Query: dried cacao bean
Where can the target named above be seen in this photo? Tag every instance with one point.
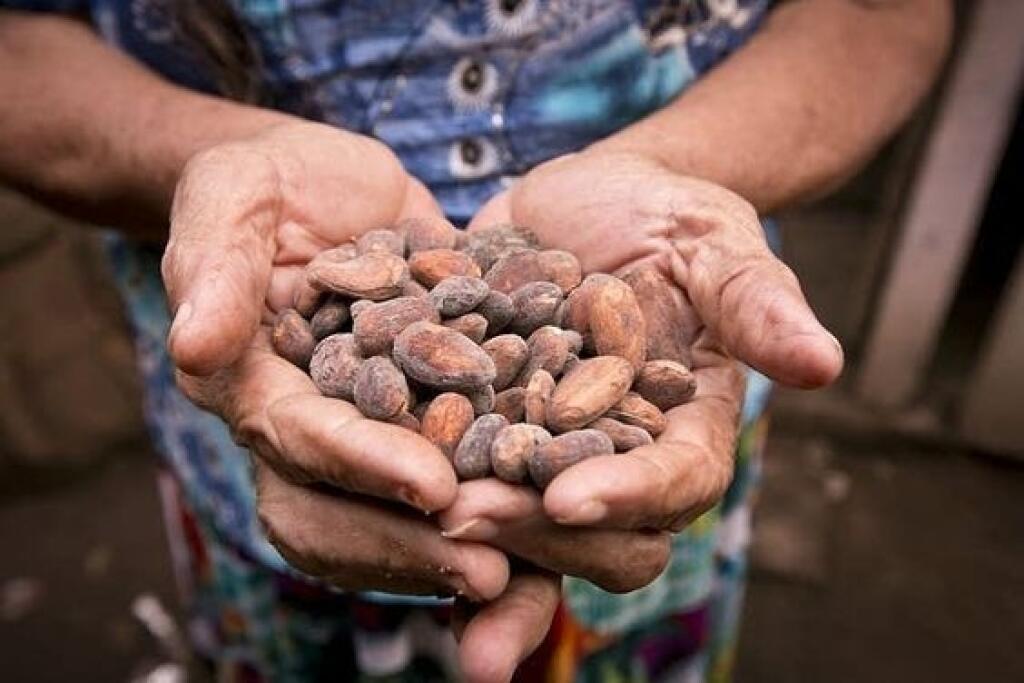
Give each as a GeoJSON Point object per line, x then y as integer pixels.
{"type": "Point", "coordinates": [376, 276]}
{"type": "Point", "coordinates": [473, 325]}
{"type": "Point", "coordinates": [434, 265]}
{"type": "Point", "coordinates": [625, 437]}
{"type": "Point", "coordinates": [509, 352]}
{"type": "Point", "coordinates": [594, 386]}
{"type": "Point", "coordinates": [665, 383]}
{"type": "Point", "coordinates": [442, 358]}
{"type": "Point", "coordinates": [473, 456]}
{"type": "Point", "coordinates": [292, 338]}
{"type": "Point", "coordinates": [515, 269]}
{"type": "Point", "coordinates": [669, 320]}
{"type": "Point", "coordinates": [616, 322]}
{"type": "Point", "coordinates": [554, 457]}
{"type": "Point", "coordinates": [633, 409]}
{"type": "Point", "coordinates": [487, 246]}
{"type": "Point", "coordinates": [499, 311]}
{"type": "Point", "coordinates": [548, 350]}
{"type": "Point", "coordinates": [329, 319]}
{"type": "Point", "coordinates": [380, 390]}
{"type": "Point", "coordinates": [445, 420]}
{"type": "Point", "coordinates": [535, 305]}
{"type": "Point", "coordinates": [458, 295]}
{"type": "Point", "coordinates": [335, 362]}
{"type": "Point", "coordinates": [512, 449]}
{"type": "Point", "coordinates": [511, 403]}
{"type": "Point", "coordinates": [560, 267]}
{"type": "Point", "coordinates": [537, 396]}
{"type": "Point", "coordinates": [376, 328]}
{"type": "Point", "coordinates": [482, 399]}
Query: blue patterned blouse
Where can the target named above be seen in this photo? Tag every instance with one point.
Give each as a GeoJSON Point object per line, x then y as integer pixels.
{"type": "Point", "coordinates": [469, 94]}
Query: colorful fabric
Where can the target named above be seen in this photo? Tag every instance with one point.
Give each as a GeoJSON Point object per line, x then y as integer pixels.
{"type": "Point", "coordinates": [469, 95]}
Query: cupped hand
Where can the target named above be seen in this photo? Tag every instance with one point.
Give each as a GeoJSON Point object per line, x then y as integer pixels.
{"type": "Point", "coordinates": [342, 497]}
{"type": "Point", "coordinates": [617, 211]}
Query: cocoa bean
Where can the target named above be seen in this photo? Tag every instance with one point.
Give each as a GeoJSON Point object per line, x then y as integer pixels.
{"type": "Point", "coordinates": [445, 419]}
{"type": "Point", "coordinates": [665, 383]}
{"type": "Point", "coordinates": [554, 457]}
{"type": "Point", "coordinates": [670, 322]}
{"type": "Point", "coordinates": [594, 386]}
{"type": "Point", "coordinates": [537, 396]}
{"type": "Point", "coordinates": [335, 362]}
{"type": "Point", "coordinates": [472, 458]}
{"type": "Point", "coordinates": [292, 338]}
{"type": "Point", "coordinates": [329, 319]}
{"type": "Point", "coordinates": [376, 328]}
{"type": "Point", "coordinates": [575, 314]}
{"type": "Point", "coordinates": [549, 349]}
{"type": "Point", "coordinates": [376, 276]}
{"type": "Point", "coordinates": [487, 246]}
{"type": "Point", "coordinates": [458, 295]}
{"type": "Point", "coordinates": [307, 299]}
{"type": "Point", "coordinates": [473, 325]}
{"type": "Point", "coordinates": [616, 322]}
{"type": "Point", "coordinates": [433, 265]}
{"type": "Point", "coordinates": [625, 437]}
{"type": "Point", "coordinates": [509, 352]}
{"type": "Point", "coordinates": [423, 234]}
{"type": "Point", "coordinates": [380, 389]}
{"type": "Point", "coordinates": [499, 311]}
{"type": "Point", "coordinates": [515, 269]}
{"type": "Point", "coordinates": [560, 267]}
{"type": "Point", "coordinates": [535, 305]}
{"type": "Point", "coordinates": [442, 358]}
{"type": "Point", "coordinates": [575, 341]}
{"type": "Point", "coordinates": [633, 409]}
{"type": "Point", "coordinates": [512, 449]}
{"type": "Point", "coordinates": [386, 241]}
{"type": "Point", "coordinates": [511, 403]}
{"type": "Point", "coordinates": [482, 399]}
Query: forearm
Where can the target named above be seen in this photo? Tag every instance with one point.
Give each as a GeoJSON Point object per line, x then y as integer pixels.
{"type": "Point", "coordinates": [805, 103]}
{"type": "Point", "coordinates": [89, 131]}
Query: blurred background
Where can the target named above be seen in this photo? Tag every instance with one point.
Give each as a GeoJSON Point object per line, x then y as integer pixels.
{"type": "Point", "coordinates": [889, 539]}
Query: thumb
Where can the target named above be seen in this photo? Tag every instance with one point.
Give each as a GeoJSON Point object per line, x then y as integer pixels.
{"type": "Point", "coordinates": [753, 304]}
{"type": "Point", "coordinates": [217, 264]}
{"type": "Point", "coordinates": [500, 635]}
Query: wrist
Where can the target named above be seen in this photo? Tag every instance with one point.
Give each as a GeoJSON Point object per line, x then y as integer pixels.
{"type": "Point", "coordinates": [175, 125]}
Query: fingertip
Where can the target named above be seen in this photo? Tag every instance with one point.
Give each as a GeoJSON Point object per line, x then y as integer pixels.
{"type": "Point", "coordinates": [485, 571]}
{"type": "Point", "coordinates": [574, 497]}
{"type": "Point", "coordinates": [486, 661]}
{"type": "Point", "coordinates": [811, 361]}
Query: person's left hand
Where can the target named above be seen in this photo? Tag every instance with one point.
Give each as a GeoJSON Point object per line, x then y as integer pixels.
{"type": "Point", "coordinates": [615, 211]}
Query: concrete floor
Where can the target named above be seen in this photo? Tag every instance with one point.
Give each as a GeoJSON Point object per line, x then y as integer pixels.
{"type": "Point", "coordinates": [875, 562]}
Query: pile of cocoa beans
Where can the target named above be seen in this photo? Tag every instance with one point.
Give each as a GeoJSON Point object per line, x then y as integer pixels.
{"type": "Point", "coordinates": [497, 351]}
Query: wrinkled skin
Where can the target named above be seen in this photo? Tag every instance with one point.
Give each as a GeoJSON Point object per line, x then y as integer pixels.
{"type": "Point", "coordinates": [247, 216]}
{"type": "Point", "coordinates": [615, 211]}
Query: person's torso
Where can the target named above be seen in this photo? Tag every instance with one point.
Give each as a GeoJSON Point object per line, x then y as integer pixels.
{"type": "Point", "coordinates": [468, 93]}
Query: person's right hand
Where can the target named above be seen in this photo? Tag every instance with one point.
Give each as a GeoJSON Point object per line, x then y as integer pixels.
{"type": "Point", "coordinates": [247, 217]}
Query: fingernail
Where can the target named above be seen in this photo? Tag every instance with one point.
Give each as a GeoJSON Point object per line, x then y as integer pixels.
{"type": "Point", "coordinates": [589, 512]}
{"type": "Point", "coordinates": [180, 319]}
{"type": "Point", "coordinates": [835, 340]}
{"type": "Point", "coordinates": [476, 529]}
